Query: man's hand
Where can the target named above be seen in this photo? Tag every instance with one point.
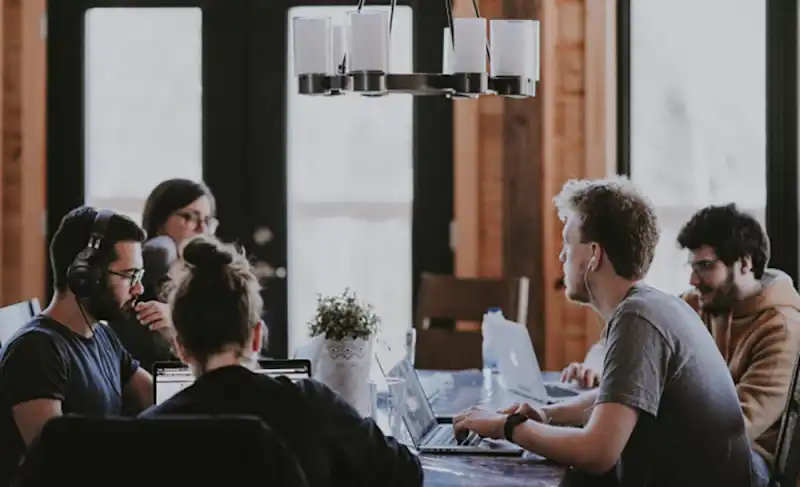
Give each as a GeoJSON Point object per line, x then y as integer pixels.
{"type": "Point", "coordinates": [528, 411]}
{"type": "Point", "coordinates": [487, 424]}
{"type": "Point", "coordinates": [156, 316]}
{"type": "Point", "coordinates": [580, 373]}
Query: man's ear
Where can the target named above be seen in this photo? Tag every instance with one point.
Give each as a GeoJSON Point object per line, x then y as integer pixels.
{"type": "Point", "coordinates": [180, 351]}
{"type": "Point", "coordinates": [594, 260]}
{"type": "Point", "coordinates": [746, 264]}
{"type": "Point", "coordinates": [258, 340]}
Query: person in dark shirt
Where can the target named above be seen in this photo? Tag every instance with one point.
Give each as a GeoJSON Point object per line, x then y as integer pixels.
{"type": "Point", "coordinates": [175, 210]}
{"type": "Point", "coordinates": [66, 360]}
{"type": "Point", "coordinates": [666, 413]}
{"type": "Point", "coordinates": [216, 310]}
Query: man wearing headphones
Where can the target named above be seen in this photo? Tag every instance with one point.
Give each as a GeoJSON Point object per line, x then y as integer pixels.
{"type": "Point", "coordinates": [65, 361]}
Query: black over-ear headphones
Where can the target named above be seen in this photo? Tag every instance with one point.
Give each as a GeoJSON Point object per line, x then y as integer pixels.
{"type": "Point", "coordinates": [84, 277]}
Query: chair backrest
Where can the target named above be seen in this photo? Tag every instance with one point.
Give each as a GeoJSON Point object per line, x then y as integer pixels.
{"type": "Point", "coordinates": [787, 455]}
{"type": "Point", "coordinates": [15, 316]}
{"type": "Point", "coordinates": [166, 451]}
{"type": "Point", "coordinates": [462, 299]}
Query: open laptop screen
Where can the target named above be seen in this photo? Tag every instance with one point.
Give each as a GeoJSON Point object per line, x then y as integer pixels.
{"type": "Point", "coordinates": [418, 415]}
{"type": "Point", "coordinates": [169, 378]}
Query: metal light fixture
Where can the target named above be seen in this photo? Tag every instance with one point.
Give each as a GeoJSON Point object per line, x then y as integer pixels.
{"type": "Point", "coordinates": [333, 60]}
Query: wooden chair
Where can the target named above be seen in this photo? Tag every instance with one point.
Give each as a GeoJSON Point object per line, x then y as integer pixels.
{"type": "Point", "coordinates": [459, 299]}
{"type": "Point", "coordinates": [787, 455]}
{"type": "Point", "coordinates": [15, 316]}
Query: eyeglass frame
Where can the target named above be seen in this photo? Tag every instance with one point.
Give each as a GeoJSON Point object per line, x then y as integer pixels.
{"type": "Point", "coordinates": [194, 217]}
{"type": "Point", "coordinates": [134, 276]}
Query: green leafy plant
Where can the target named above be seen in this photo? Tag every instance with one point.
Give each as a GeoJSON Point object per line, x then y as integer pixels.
{"type": "Point", "coordinates": [342, 317]}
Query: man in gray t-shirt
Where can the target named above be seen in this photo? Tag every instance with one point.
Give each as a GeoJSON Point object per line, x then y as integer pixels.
{"type": "Point", "coordinates": [662, 362]}
{"type": "Point", "coordinates": [666, 413]}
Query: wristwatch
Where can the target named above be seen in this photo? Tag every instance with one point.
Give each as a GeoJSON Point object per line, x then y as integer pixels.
{"type": "Point", "coordinates": [512, 421]}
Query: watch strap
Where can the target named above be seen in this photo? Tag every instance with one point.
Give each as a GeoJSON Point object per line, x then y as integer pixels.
{"type": "Point", "coordinates": [512, 421]}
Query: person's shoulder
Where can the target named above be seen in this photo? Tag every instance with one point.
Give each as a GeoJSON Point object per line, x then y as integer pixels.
{"type": "Point", "coordinates": [648, 302]}
{"type": "Point", "coordinates": [37, 340]}
{"type": "Point", "coordinates": [41, 332]}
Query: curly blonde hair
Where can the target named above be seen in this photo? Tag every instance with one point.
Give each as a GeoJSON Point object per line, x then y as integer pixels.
{"type": "Point", "coordinates": [618, 217]}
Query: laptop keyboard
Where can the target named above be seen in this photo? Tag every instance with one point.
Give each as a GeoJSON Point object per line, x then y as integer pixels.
{"type": "Point", "coordinates": [444, 435]}
{"type": "Point", "coordinates": [556, 391]}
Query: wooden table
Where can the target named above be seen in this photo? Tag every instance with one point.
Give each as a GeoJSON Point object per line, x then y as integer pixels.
{"type": "Point", "coordinates": [465, 389]}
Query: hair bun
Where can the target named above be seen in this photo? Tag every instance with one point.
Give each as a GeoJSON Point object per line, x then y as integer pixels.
{"type": "Point", "coordinates": [205, 253]}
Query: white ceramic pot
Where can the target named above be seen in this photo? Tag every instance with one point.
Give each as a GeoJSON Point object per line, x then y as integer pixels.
{"type": "Point", "coordinates": [344, 367]}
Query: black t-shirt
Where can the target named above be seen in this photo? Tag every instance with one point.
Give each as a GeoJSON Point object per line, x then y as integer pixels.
{"type": "Point", "coordinates": [47, 360]}
{"type": "Point", "coordinates": [333, 443]}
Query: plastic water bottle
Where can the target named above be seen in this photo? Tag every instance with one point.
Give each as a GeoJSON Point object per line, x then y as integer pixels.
{"type": "Point", "coordinates": [490, 366]}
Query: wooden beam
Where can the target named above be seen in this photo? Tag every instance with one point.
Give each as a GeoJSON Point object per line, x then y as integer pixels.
{"type": "Point", "coordinates": [523, 160]}
{"type": "Point", "coordinates": [33, 204]}
{"type": "Point", "coordinates": [506, 224]}
{"type": "Point", "coordinates": [22, 168]}
{"type": "Point", "coordinates": [12, 147]}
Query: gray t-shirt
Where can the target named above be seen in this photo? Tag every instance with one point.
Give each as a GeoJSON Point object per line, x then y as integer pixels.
{"type": "Point", "coordinates": [661, 360]}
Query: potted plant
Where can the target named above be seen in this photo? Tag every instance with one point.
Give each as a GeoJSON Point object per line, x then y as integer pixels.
{"type": "Point", "coordinates": [346, 328]}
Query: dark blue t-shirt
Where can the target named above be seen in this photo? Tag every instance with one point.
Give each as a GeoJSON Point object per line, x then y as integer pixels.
{"type": "Point", "coordinates": [47, 360]}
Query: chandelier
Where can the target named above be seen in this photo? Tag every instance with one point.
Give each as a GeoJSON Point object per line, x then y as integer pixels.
{"type": "Point", "coordinates": [333, 60]}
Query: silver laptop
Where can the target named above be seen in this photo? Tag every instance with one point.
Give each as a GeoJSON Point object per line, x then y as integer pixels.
{"type": "Point", "coordinates": [169, 378]}
{"type": "Point", "coordinates": [519, 367]}
{"type": "Point", "coordinates": [429, 434]}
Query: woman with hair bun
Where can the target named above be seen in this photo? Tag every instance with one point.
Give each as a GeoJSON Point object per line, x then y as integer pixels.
{"type": "Point", "coordinates": [216, 311]}
{"type": "Point", "coordinates": [176, 210]}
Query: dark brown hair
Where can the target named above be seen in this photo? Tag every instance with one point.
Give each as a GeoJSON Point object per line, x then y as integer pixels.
{"type": "Point", "coordinates": [216, 300]}
{"type": "Point", "coordinates": [732, 233]}
{"type": "Point", "coordinates": [615, 215]}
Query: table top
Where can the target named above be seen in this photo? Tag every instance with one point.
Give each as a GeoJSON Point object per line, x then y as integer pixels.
{"type": "Point", "coordinates": [461, 390]}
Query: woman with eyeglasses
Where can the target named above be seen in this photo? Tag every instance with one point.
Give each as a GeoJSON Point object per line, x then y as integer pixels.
{"type": "Point", "coordinates": [216, 309]}
{"type": "Point", "coordinates": [176, 210]}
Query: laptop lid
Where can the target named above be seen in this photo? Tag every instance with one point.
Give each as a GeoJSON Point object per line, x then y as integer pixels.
{"type": "Point", "coordinates": [517, 362]}
{"type": "Point", "coordinates": [169, 378]}
{"type": "Point", "coordinates": [418, 414]}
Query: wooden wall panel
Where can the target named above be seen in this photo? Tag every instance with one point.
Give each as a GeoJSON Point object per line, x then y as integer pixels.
{"type": "Point", "coordinates": [526, 150]}
{"type": "Point", "coordinates": [22, 169]}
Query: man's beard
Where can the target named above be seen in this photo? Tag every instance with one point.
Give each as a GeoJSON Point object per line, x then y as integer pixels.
{"type": "Point", "coordinates": [725, 296]}
{"type": "Point", "coordinates": [103, 306]}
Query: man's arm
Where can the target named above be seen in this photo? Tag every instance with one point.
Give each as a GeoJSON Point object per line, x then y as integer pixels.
{"type": "Point", "coordinates": [361, 443]}
{"type": "Point", "coordinates": [33, 378]}
{"type": "Point", "coordinates": [31, 416]}
{"type": "Point", "coordinates": [764, 386]}
{"type": "Point", "coordinates": [137, 383]}
{"type": "Point", "coordinates": [139, 390]}
{"type": "Point", "coordinates": [574, 411]}
{"type": "Point", "coordinates": [634, 371]}
{"type": "Point", "coordinates": [595, 449]}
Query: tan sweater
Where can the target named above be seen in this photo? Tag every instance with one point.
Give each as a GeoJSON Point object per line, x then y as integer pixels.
{"type": "Point", "coordinates": [760, 340]}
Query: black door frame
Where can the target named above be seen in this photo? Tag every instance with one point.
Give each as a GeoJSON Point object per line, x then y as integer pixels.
{"type": "Point", "coordinates": [222, 126]}
{"type": "Point", "coordinates": [243, 120]}
{"type": "Point", "coordinates": [783, 213]}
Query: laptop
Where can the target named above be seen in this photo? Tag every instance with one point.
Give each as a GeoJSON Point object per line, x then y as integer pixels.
{"type": "Point", "coordinates": [519, 367]}
{"type": "Point", "coordinates": [169, 378]}
{"type": "Point", "coordinates": [430, 434]}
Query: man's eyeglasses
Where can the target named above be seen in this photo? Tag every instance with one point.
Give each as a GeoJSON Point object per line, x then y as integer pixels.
{"type": "Point", "coordinates": [703, 267]}
{"type": "Point", "coordinates": [134, 276]}
{"type": "Point", "coordinates": [196, 220]}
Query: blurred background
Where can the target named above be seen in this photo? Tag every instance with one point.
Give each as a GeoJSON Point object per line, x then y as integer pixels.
{"type": "Point", "coordinates": [101, 100]}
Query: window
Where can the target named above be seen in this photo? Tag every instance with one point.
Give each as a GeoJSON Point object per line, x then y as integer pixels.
{"type": "Point", "coordinates": [697, 115]}
{"type": "Point", "coordinates": [349, 193]}
{"type": "Point", "coordinates": [143, 95]}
